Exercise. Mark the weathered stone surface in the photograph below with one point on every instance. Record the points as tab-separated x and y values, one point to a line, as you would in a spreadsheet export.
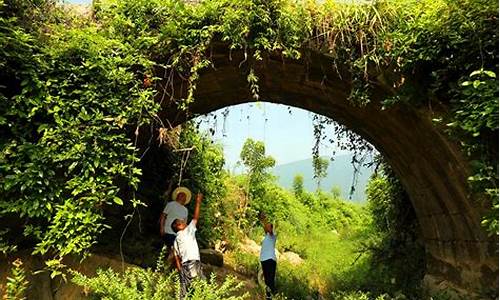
211	257
292	258
429	164
249	246
42	287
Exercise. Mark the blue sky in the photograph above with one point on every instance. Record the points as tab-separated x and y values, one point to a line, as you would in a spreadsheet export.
286	131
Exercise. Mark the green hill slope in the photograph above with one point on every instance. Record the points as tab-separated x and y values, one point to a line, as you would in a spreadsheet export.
340	173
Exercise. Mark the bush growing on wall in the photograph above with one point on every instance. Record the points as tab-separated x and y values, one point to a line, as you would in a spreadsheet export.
73	99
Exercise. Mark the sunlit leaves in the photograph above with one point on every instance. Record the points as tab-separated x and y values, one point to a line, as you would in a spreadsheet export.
258	164
64	146
475	120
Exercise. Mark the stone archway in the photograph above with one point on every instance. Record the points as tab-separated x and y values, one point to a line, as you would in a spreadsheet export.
430	165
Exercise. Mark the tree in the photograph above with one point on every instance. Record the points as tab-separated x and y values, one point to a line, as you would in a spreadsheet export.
253	156
336	192
320	165
298	185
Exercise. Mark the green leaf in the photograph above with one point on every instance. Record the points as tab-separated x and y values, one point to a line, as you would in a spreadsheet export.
118	200
490	74
476	72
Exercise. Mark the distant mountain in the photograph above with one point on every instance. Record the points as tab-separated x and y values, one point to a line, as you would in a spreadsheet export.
340	173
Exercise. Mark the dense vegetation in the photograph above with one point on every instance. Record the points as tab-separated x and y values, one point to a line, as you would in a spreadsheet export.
77	95
345	246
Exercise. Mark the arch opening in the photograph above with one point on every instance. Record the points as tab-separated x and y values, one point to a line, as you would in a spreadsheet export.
431	167
330	239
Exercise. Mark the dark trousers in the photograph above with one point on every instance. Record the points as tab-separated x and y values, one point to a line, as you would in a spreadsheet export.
169	240
269	271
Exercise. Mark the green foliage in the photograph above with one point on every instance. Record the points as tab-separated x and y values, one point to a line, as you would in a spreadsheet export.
382	199
397	255
331	266
402	35
5	246
64	146
203	172
17	284
55	267
210	290
361	296
253	156
73	92
298	185
322	229
136	283
302	209
336	192
320	166
479	105
475	119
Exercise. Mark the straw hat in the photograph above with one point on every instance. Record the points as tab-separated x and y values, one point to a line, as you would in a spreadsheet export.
184	190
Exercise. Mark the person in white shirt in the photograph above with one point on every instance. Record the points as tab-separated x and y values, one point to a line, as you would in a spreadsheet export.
268	256
186	251
174	210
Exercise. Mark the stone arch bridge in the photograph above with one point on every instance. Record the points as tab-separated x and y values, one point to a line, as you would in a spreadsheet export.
430	165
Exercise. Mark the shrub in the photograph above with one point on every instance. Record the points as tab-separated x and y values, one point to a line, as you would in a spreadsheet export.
137	283
16	283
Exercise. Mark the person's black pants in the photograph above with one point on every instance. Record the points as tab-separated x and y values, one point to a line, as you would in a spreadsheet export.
169	239
269	271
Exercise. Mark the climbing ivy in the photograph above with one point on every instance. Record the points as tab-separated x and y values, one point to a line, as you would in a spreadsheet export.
76	90
475	122
73	98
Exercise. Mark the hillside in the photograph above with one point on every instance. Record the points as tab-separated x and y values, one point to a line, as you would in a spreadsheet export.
340	173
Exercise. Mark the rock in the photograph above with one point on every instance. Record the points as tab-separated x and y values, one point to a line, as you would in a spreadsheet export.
211	257
249	246
221	246
292	258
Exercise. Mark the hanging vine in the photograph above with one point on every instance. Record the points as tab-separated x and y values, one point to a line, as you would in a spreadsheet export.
344	139
74	89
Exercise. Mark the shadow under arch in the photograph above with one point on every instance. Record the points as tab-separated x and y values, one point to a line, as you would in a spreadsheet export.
430	165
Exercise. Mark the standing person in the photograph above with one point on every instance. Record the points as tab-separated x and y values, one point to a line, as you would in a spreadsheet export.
186	251
268	256
175	209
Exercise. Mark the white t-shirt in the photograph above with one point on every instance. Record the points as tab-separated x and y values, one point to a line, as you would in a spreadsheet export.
267	251
174	211
185	245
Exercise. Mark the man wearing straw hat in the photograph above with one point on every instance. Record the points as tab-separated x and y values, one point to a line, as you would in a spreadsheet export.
175	209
